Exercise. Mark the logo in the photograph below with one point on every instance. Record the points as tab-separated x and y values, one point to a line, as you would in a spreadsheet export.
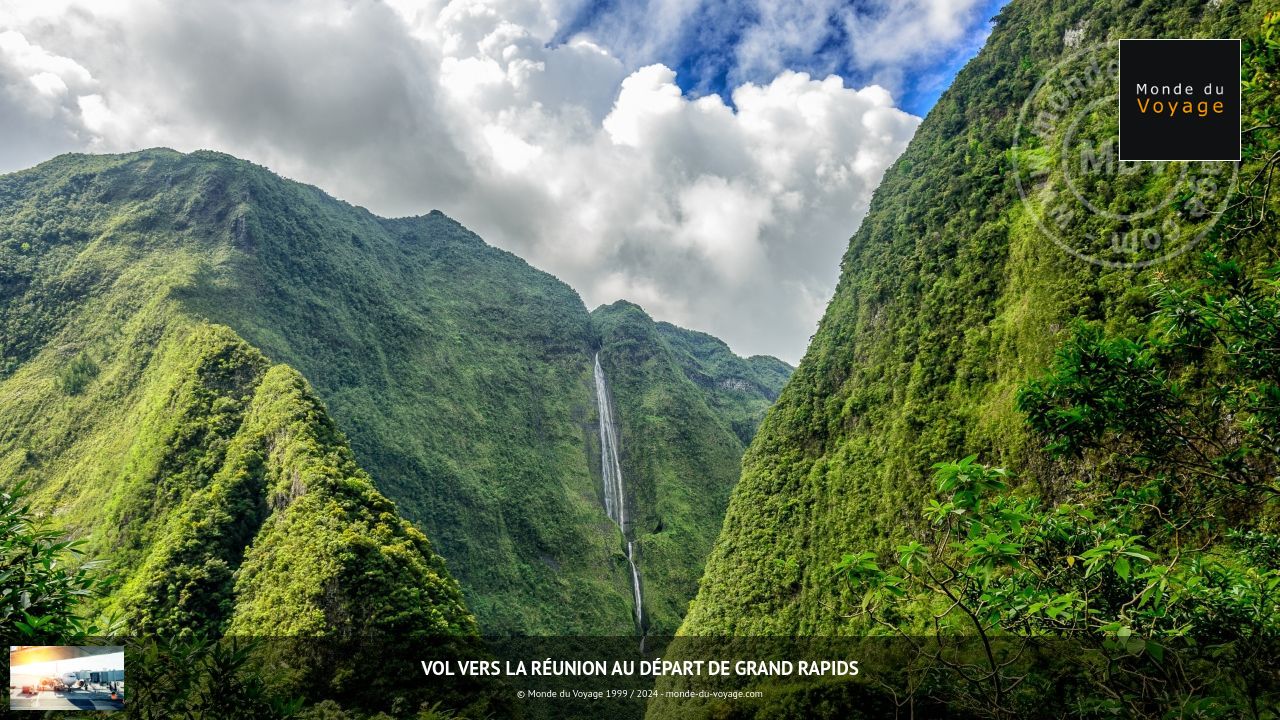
1079	192
1180	100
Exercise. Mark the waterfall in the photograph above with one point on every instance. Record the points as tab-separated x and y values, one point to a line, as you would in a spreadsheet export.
615	497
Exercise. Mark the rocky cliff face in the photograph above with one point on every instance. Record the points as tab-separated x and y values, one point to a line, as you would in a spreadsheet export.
950	297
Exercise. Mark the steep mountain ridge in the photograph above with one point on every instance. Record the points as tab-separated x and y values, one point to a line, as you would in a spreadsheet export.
206	451
460	375
950	297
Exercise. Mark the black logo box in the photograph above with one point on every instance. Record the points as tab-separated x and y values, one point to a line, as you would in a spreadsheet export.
1186	67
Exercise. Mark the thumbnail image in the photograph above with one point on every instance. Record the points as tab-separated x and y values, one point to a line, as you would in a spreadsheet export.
66	677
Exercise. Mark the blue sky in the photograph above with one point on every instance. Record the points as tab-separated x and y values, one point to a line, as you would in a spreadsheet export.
704	49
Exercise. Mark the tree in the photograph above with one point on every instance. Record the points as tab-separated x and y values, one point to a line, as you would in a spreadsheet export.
1154	563
193	677
43	580
1143	578
1149	620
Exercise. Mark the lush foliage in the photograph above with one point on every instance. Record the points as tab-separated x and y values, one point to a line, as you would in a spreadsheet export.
288	537
738	389
43	579
950	298
1161	560
1153	617
196	678
1133	569
77	374
140	297
683	402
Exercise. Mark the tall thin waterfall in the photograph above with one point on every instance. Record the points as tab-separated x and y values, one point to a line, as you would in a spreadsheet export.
615	497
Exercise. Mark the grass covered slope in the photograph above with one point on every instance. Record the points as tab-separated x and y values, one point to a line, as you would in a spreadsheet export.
184	455
680	397
949	299
460	375
738	389
332	545
289	537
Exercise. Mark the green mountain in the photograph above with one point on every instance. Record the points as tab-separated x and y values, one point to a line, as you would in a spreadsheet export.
950	298
684	402
739	390
158	315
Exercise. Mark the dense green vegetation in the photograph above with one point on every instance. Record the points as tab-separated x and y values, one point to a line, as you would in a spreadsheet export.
235	465
288	536
156	312
739	390
683	402
1162	560
950	299
197	678
1117	557
49	587
44	579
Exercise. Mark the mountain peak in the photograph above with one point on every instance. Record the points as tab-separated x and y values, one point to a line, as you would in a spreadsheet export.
415	358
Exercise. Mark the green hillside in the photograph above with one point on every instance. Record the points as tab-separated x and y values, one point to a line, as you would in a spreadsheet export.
738	389
950	299
145	302
682	398
191	462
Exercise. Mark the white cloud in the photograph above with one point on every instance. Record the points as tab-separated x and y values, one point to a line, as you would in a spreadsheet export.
896	31
725	219
40	93
884	40
904	35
